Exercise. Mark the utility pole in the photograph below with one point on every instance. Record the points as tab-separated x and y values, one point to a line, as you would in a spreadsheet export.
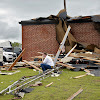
65	4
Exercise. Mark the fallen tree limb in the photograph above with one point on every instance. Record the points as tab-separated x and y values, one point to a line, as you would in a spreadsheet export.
75	94
32	65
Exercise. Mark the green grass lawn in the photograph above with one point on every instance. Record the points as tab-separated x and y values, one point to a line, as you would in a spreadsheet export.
63	87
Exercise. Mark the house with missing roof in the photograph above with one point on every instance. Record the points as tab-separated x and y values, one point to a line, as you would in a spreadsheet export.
41	34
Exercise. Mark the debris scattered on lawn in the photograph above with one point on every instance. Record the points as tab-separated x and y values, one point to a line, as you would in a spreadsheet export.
34	70
58	79
16	60
9	73
20	94
36	84
83	75
80	76
27	90
75	94
32	65
49	84
66	59
15	98
96	72
55	75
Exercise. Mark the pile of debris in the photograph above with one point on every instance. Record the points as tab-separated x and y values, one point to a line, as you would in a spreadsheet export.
87	61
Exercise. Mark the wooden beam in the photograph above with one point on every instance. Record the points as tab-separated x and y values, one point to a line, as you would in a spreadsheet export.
92	59
76	56
75	94
65	4
71	50
49	84
32	65
69	66
16	60
97	63
4	66
80	76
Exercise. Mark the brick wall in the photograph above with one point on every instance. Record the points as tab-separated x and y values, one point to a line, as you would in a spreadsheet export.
39	38
85	33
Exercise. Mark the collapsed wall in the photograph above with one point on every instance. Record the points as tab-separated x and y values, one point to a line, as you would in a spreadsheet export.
45	34
85	33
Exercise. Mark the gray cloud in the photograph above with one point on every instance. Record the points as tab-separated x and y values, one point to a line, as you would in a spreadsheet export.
17	10
7	32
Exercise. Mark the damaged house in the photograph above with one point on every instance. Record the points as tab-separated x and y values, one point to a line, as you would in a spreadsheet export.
45	34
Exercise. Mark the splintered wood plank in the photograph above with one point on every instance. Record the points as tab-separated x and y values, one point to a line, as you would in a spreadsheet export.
92	59
69	66
80	76
71	50
32	65
97	63
16	60
75	94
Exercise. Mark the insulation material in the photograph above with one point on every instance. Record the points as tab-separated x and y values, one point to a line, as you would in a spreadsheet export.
66	59
61	28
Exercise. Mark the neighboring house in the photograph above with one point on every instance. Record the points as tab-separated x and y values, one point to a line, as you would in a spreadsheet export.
40	35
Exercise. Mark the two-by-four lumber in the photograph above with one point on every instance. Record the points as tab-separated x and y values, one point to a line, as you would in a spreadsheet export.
71	50
32	65
91	59
97	63
16	60
75	94
80	76
84	58
49	84
69	66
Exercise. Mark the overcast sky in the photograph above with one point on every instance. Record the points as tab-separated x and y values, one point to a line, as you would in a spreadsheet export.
13	11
